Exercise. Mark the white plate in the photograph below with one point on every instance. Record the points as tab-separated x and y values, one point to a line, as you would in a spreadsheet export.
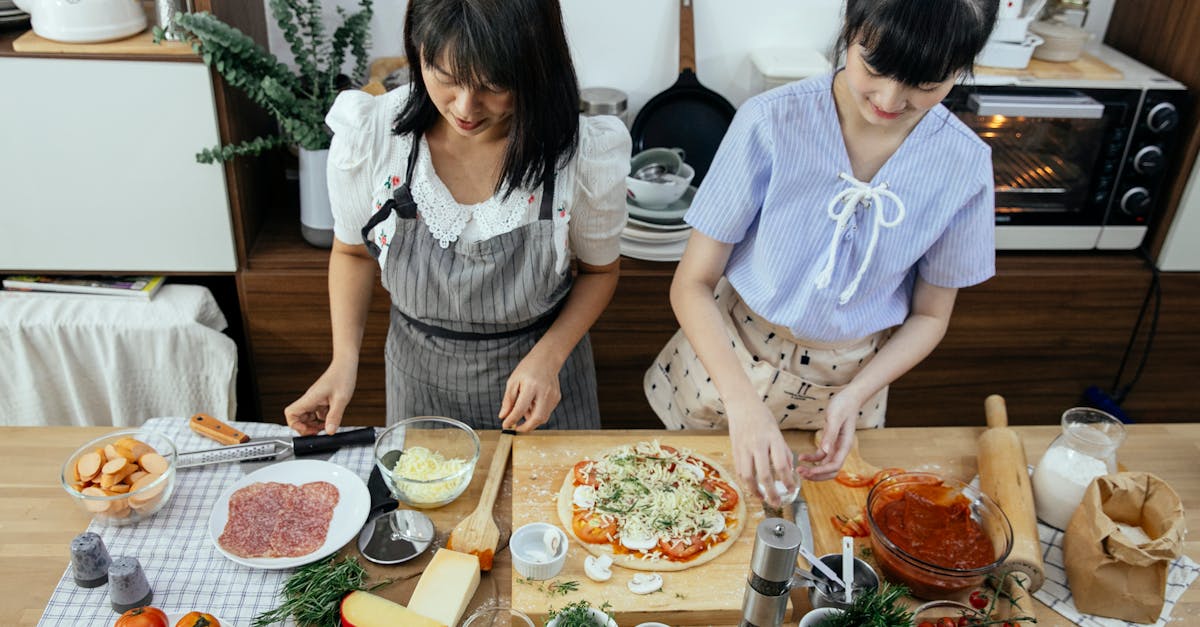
654	226
669	251
175	617
636	234
669	215
354	503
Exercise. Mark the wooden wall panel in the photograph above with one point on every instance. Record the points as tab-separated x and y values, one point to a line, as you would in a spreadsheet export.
1165	34
1169	389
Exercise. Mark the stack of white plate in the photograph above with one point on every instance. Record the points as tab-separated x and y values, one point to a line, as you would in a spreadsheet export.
657	234
10	15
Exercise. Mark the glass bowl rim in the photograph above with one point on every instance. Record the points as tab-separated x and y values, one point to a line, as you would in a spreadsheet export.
171	457
974	494
462	426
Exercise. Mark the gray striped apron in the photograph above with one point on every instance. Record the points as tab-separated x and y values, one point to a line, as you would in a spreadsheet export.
464	316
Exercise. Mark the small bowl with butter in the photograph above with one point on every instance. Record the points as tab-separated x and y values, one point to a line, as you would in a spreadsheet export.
539	550
427	461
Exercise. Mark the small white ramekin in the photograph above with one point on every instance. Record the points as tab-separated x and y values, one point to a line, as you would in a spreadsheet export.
530	555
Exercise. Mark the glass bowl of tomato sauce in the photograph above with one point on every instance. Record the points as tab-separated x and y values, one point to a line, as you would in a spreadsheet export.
936	535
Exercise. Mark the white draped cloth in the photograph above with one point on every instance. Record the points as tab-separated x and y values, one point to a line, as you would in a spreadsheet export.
69	359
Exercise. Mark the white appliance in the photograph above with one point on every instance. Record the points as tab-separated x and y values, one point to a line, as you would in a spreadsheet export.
778	66
1179	251
85	21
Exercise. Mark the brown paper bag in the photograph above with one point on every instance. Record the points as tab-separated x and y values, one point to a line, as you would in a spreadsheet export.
1108	572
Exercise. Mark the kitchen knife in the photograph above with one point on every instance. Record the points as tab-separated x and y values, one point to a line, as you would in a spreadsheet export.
269	449
800	514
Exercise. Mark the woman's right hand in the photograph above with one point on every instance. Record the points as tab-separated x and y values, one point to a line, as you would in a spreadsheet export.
322	405
760	454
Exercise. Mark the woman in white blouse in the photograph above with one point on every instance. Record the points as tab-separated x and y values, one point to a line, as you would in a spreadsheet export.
472	190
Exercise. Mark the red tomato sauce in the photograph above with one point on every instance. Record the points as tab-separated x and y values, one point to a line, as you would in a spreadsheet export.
933	523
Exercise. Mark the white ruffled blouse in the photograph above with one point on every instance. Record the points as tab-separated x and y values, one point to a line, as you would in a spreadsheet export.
367	161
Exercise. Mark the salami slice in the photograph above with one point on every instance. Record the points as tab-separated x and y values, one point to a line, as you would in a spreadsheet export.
270	519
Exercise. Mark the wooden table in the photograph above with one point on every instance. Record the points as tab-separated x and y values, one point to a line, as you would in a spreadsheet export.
38	521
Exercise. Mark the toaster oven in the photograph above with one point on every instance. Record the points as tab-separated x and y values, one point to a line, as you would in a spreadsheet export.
1075	168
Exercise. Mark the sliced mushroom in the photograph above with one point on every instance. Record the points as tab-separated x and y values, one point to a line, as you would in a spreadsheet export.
598	568
584	496
645	583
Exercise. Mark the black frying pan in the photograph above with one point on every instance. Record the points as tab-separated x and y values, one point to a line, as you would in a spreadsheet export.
687	115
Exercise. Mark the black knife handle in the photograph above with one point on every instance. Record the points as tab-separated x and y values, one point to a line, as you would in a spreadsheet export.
313	444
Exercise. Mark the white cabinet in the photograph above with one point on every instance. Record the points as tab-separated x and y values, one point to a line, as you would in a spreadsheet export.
98	169
1181	250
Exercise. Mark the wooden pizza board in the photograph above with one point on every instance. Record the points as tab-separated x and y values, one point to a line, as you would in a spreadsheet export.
139	44
1086	67
706	595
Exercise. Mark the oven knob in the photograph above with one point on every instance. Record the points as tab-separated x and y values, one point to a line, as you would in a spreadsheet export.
1162	117
1136	201
1148	160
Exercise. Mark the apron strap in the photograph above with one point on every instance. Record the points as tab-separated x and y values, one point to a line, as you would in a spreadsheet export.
399	196
542	323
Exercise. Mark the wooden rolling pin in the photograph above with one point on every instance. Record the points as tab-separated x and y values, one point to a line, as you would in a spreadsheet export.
1004	476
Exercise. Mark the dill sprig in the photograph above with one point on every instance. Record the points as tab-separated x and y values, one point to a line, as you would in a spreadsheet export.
313	594
552	588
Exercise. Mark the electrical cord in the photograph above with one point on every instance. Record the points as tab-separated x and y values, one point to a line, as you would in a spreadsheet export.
1154	292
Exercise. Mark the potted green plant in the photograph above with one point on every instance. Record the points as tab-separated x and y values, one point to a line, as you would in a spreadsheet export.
297	99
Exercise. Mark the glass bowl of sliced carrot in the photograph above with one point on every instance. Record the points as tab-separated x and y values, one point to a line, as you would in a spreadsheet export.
123	477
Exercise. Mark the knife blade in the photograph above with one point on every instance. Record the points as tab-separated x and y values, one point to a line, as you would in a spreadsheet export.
800	514
268	450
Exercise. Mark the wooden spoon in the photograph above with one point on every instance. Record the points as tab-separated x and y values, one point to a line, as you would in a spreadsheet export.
477	534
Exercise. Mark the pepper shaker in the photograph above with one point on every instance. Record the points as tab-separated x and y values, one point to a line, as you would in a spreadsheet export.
128	587
90	560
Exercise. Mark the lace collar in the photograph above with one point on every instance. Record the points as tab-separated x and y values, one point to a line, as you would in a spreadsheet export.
446	218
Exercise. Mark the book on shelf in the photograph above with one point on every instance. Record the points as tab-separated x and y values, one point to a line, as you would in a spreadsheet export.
142	287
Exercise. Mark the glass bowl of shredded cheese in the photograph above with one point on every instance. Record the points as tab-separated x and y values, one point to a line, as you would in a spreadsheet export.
427	461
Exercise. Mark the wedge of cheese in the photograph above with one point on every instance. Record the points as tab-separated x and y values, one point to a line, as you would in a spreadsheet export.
363	609
446	586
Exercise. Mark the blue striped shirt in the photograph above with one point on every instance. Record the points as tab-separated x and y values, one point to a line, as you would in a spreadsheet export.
768	193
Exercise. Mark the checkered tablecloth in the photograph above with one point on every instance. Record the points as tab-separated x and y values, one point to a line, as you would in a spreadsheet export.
1055	593
185	570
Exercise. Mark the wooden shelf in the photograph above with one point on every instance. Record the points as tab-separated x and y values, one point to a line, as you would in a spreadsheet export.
140	50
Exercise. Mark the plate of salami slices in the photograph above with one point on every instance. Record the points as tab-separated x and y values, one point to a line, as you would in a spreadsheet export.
289	514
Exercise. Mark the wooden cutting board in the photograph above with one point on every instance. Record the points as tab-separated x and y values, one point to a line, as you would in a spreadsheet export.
705	595
1086	67
140	44
827	499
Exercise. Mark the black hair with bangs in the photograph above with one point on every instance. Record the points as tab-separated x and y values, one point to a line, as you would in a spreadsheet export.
917	42
514	45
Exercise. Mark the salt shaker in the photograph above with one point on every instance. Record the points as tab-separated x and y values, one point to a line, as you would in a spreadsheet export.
90	560
128	587
1086	449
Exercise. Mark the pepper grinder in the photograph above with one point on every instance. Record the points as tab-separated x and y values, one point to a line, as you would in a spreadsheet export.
776	545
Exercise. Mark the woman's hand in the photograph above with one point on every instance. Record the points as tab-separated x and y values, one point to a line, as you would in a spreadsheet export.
322	405
760	454
840	421
532	393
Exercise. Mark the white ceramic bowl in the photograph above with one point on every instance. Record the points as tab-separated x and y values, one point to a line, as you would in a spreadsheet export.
531	557
600	619
659	195
818	616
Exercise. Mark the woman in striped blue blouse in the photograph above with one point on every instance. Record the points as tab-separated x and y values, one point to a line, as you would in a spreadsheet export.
839	218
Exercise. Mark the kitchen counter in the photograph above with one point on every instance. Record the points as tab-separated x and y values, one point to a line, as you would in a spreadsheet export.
38	520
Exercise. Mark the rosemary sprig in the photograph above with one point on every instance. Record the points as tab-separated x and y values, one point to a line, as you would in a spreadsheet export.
313	593
553	588
876	608
578	614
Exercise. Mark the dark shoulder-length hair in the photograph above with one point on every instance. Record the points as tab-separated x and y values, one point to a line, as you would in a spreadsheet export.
918	42
514	45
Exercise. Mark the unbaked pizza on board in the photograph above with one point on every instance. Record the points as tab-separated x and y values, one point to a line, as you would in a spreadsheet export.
652	506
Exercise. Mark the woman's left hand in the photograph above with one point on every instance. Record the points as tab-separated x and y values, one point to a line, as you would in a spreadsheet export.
841	418
531	394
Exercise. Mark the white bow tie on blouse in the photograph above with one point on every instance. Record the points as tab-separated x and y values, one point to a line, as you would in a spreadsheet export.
849	199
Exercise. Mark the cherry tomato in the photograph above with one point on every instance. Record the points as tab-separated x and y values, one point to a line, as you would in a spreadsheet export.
143	617
963	621
855	527
584	476
852	480
979	600
926	624
592	528
724	491
682	548
198	619
946	621
885	473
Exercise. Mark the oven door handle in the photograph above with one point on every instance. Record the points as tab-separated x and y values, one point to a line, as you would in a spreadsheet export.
1075	106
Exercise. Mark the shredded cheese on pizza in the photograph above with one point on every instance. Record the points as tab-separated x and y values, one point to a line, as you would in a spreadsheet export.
655	494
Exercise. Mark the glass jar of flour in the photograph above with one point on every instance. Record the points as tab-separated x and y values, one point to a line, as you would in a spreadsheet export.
1086	449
